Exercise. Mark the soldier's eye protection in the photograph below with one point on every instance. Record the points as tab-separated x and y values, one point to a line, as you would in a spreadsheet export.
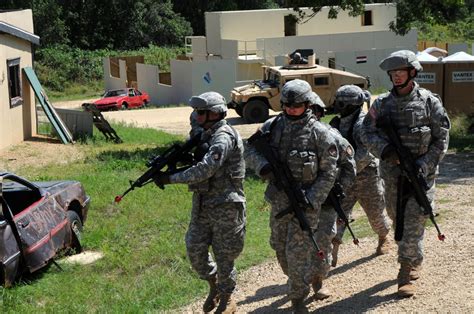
398	71
294	105
201	112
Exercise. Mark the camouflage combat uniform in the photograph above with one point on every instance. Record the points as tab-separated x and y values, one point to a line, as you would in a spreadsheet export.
310	152
327	227
422	125
218	215
368	187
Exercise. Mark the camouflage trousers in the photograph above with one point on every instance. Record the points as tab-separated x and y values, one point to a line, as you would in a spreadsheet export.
368	189
294	251
325	233
221	227
410	248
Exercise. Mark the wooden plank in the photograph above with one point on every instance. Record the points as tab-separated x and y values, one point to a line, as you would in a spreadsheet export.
49	110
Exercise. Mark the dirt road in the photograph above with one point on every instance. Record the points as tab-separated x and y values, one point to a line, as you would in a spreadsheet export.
363	282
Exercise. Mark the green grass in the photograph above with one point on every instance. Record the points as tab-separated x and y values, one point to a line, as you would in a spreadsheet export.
74	91
461	136
145	268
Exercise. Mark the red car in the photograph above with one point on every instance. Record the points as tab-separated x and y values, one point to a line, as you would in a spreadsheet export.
122	99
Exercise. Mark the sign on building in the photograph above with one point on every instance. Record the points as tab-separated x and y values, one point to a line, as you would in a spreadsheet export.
426	78
463	76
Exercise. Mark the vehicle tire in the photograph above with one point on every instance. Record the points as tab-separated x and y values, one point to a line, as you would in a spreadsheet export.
124	106
239	110
76	227
145	104
255	111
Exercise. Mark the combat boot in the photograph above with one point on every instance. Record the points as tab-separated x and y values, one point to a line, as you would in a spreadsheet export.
213	297
415	272
383	246
298	306
405	287
335	250
320	293
227	304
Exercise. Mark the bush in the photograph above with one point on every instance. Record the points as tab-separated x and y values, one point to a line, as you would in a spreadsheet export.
462	133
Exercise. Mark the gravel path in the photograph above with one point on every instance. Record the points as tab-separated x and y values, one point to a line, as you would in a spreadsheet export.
363	282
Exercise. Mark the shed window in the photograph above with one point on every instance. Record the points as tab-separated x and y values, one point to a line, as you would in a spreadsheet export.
367	18
322	80
14	82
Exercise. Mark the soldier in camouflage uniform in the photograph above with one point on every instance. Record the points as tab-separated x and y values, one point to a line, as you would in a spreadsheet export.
368	188
327	228
310	152
423	127
218	215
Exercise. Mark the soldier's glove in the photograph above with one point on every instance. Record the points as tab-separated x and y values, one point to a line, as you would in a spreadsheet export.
161	180
422	168
389	154
266	173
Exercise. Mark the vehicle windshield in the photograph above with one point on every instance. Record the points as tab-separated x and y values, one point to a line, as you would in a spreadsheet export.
115	93
273	78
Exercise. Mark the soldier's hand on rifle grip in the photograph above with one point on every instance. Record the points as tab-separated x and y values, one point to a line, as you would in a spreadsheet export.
422	168
390	155
161	180
266	173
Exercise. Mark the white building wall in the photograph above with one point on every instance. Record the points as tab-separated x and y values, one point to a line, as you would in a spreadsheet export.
112	82
18	123
253	24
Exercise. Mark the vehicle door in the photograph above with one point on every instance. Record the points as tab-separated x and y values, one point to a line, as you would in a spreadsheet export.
323	86
134	99
41	223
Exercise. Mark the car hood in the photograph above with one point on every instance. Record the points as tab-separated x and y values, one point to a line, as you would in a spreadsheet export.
255	87
108	100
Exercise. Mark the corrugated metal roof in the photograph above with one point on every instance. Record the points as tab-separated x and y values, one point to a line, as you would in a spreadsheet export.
12	30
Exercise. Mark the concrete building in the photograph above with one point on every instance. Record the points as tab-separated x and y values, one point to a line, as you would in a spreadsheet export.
17	101
238	43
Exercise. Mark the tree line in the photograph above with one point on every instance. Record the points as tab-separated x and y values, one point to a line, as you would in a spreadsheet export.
130	24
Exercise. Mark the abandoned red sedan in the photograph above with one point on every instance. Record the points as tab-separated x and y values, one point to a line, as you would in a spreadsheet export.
38	220
123	99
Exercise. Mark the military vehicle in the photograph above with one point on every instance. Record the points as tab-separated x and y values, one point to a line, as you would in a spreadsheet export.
253	101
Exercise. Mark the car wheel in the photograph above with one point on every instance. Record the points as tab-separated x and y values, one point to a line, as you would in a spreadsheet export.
145	104
124	106
255	111
239	110
76	227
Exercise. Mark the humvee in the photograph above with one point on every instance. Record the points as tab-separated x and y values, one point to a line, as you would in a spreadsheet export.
253	101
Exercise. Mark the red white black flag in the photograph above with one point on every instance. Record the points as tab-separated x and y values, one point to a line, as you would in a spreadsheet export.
361	59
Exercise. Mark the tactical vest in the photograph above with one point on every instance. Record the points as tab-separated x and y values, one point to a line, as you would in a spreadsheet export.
410	116
294	142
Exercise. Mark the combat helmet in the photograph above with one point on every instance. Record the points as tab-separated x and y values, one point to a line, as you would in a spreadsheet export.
401	59
350	98
317	105
296	91
211	101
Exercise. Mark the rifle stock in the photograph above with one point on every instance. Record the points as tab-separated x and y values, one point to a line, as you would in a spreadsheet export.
170	159
284	180
408	167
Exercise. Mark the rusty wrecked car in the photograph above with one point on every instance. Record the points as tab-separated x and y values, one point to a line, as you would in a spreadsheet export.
38	221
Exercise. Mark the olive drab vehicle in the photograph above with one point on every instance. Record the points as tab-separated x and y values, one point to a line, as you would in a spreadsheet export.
253	101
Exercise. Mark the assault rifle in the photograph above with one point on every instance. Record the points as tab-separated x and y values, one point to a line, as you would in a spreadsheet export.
335	195
409	169
284	181
173	156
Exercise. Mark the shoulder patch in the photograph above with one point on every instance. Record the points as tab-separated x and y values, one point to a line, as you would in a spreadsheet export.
349	151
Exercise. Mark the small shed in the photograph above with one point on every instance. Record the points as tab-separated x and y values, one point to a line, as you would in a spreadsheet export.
432	75
459	83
